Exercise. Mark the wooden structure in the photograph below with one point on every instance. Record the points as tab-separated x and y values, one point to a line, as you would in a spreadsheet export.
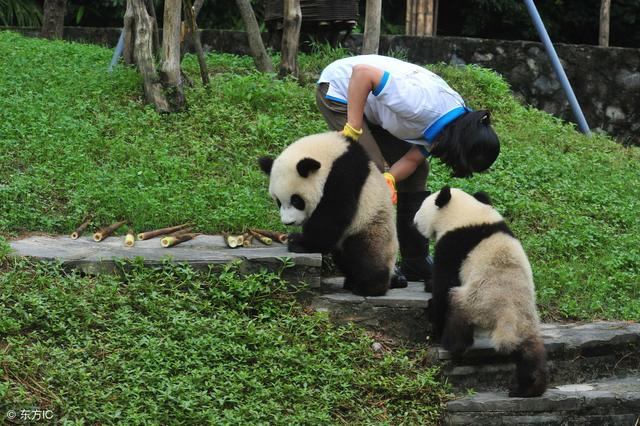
421	17
324	20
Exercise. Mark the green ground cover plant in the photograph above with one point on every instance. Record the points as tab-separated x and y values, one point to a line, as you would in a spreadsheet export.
182	347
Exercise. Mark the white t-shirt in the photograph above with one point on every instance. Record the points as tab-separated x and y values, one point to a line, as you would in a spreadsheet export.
408	100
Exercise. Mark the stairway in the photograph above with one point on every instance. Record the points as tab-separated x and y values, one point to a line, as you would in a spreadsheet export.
594	367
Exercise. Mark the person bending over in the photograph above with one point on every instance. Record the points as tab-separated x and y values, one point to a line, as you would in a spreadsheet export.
403	114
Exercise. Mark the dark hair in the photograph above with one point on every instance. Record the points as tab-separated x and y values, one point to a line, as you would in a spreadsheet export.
468	144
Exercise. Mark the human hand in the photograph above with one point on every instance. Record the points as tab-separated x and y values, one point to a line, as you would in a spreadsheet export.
350	132
391	183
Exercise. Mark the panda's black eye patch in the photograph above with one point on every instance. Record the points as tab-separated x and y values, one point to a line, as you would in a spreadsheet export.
278	203
297	202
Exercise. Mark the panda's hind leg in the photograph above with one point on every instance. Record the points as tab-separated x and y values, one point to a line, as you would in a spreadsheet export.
531	369
457	335
365	272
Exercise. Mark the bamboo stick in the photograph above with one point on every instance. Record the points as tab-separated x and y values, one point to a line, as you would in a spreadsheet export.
262	238
274	235
233	241
411	11
174	240
130	239
163	231
429	16
80	229
420	18
247	238
103	233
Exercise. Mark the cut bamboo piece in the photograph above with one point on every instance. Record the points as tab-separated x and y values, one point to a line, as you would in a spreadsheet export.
130	239
174	240
103	233
188	230
274	235
262	238
247	237
80	229
163	231
233	241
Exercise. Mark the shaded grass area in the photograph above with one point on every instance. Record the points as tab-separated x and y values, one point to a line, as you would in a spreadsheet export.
183	347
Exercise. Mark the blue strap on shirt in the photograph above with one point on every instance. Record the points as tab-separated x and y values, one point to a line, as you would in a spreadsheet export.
436	127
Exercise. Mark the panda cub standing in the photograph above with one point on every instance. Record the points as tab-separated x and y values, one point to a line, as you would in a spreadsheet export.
482	278
328	185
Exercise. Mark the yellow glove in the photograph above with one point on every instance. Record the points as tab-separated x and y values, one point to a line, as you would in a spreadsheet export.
391	183
350	132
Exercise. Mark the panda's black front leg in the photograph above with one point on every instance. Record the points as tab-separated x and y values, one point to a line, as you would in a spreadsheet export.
338	260
295	243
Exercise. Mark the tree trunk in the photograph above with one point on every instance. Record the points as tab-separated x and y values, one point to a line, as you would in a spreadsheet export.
144	57
197	5
605	10
129	34
190	16
371	39
151	8
290	38
170	70
53	18
259	53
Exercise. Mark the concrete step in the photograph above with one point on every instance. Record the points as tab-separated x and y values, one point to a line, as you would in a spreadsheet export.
576	352
614	401
400	314
201	253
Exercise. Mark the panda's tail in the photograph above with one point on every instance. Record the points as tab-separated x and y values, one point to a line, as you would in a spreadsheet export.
531	368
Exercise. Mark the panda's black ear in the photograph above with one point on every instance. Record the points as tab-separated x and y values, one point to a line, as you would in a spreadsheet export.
443	196
265	164
483	197
306	166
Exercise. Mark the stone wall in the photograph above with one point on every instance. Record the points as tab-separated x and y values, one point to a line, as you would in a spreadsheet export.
606	81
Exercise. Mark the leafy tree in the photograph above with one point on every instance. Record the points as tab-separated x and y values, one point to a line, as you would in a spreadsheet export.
23	13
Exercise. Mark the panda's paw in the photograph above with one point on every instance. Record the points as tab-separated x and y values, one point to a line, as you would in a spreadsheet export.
398	280
294	243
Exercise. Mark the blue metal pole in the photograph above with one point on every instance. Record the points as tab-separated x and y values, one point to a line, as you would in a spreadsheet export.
557	66
118	52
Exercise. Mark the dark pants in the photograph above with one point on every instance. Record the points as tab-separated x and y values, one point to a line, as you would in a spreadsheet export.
381	145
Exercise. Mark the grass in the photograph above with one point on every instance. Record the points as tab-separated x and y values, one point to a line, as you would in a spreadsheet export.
183	347
189	347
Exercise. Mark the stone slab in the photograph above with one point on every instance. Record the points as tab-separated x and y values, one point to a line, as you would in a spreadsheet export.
400	314
590	339
612	401
575	352
201	252
413	296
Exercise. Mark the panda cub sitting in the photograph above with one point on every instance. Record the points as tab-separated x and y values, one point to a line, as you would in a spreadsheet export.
482	278
328	185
